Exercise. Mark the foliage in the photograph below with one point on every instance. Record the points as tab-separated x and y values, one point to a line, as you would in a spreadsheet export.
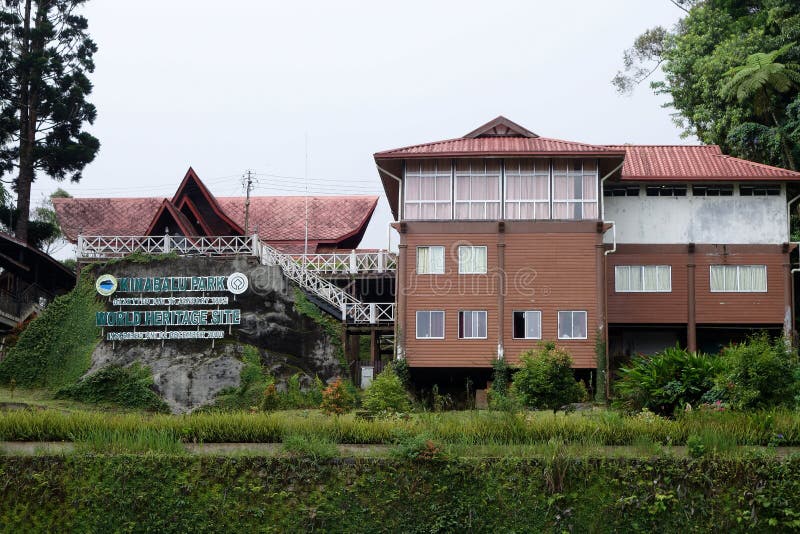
666	381
331	326
386	394
418	447
758	374
46	55
500	395
402	371
336	398
252	383
315	447
55	350
137	440
602	379
165	493
129	387
721	71
545	379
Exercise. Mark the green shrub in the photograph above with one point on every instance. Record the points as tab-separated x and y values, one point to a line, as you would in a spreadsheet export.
418	447
129	387
386	394
315	447
665	381
545	379
253	381
337	398
757	374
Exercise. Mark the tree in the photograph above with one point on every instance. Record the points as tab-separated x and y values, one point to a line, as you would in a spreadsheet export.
545	379
45	55
45	215
703	52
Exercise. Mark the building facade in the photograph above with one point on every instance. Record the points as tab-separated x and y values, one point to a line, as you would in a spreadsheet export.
508	238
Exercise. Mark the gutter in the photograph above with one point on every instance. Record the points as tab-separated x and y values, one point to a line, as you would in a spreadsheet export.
603	210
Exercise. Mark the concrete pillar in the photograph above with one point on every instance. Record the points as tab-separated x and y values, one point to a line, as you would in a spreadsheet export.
691	297
374	346
501	289
788	301
602	324
400	295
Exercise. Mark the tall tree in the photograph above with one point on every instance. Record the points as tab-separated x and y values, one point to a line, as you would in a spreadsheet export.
45	55
696	56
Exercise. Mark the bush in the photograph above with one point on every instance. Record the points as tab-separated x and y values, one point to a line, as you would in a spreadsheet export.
545	379
757	374
336	398
315	447
665	381
418	448
129	387
386	394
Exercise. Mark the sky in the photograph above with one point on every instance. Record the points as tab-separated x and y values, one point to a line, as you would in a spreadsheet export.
302	88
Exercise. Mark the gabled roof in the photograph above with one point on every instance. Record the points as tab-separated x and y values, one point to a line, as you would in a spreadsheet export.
168	217
500	127
694	163
193	186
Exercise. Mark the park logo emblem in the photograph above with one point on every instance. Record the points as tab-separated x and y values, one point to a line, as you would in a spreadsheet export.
238	283
106	284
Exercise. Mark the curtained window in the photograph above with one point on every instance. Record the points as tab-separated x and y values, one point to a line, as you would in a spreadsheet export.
643	278
527	189
430	325
572	325
430	260
472	260
477	189
528	324
472	324
574	189
427	190
738	278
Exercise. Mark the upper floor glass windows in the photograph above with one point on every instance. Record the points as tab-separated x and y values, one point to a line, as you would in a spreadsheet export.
574	189
527	189
427	190
477	185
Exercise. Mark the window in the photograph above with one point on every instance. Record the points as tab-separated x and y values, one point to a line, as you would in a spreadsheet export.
643	278
472	325
427	190
574	189
430	260
471	260
759	190
527	325
528	189
572	325
430	325
715	190
665	190
621	191
739	278
477	189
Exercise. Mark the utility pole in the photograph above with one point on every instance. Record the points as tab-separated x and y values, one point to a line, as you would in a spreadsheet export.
248	185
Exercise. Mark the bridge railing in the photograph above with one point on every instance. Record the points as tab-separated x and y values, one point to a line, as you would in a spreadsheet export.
103	247
353	262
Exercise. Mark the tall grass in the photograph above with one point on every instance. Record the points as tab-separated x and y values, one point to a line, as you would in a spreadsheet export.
461	428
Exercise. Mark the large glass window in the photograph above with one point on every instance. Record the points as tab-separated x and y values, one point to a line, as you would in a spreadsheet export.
527	189
430	325
739	278
471	260
477	189
430	260
574	189
528	324
427	190
642	278
572	325
472	324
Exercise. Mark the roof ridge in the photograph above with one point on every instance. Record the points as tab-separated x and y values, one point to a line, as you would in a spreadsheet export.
667	145
418	145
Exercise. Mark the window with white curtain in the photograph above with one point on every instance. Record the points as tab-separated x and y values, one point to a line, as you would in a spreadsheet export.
430	324
527	189
472	259
739	278
574	189
427	190
528	324
477	189
472	324
430	260
643	278
572	325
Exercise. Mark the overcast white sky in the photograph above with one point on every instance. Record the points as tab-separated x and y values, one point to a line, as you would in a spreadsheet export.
226	87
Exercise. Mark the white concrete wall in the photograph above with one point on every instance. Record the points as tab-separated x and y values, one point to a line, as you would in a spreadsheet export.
691	219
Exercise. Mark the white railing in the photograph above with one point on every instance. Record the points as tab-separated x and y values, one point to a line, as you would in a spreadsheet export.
100	247
352	309
353	262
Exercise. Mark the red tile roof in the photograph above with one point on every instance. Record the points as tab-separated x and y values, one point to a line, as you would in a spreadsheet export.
693	163
498	146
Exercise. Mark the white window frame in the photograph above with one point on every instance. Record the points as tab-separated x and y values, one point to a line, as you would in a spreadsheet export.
738	280
525	313
486	255
421	174
535	201
430	263
642	268
416	324
582	201
474	314
477	174
572	323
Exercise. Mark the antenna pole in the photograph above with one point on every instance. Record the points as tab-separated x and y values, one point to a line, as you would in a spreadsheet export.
248	183
305	240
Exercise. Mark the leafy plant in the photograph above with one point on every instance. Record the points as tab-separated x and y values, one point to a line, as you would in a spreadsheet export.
315	447
418	447
336	398
129	387
386	394
545	379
